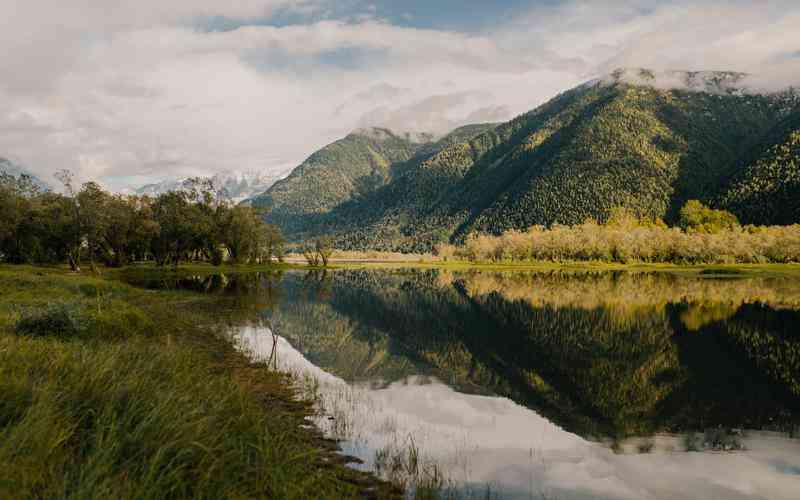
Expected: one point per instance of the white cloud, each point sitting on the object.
(130, 90)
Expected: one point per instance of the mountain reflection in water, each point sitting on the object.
(573, 385)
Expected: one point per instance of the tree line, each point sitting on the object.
(88, 224)
(702, 236)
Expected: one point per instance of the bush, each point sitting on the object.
(64, 319)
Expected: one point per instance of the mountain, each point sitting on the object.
(347, 170)
(645, 140)
(767, 191)
(8, 167)
(240, 186)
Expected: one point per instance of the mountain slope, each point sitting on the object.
(604, 144)
(768, 189)
(349, 169)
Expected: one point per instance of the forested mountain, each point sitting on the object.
(767, 191)
(349, 169)
(10, 168)
(636, 139)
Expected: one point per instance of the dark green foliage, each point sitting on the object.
(768, 190)
(577, 157)
(193, 224)
(350, 169)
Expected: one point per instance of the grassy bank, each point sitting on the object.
(108, 391)
(698, 270)
(711, 270)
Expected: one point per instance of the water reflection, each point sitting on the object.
(572, 385)
(481, 441)
(605, 356)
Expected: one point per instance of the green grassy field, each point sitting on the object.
(108, 391)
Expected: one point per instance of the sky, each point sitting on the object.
(128, 93)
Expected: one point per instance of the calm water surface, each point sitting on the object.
(540, 385)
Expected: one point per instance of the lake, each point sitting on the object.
(538, 384)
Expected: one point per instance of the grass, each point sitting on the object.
(108, 391)
(698, 270)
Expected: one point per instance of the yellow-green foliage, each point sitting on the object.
(695, 217)
(712, 237)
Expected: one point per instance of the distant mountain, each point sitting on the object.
(349, 169)
(239, 185)
(645, 140)
(8, 167)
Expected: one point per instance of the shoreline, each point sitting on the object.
(697, 270)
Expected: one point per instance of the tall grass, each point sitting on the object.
(98, 402)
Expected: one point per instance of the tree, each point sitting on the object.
(92, 204)
(128, 229)
(70, 218)
(324, 249)
(311, 255)
(273, 242)
(176, 219)
(18, 235)
(695, 217)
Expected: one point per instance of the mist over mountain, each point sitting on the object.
(645, 140)
(10, 168)
(238, 185)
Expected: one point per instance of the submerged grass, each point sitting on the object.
(107, 391)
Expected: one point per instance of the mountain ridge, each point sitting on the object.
(349, 169)
(603, 144)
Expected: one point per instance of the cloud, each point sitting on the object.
(120, 90)
(746, 36)
(437, 114)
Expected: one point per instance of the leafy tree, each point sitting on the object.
(698, 218)
(92, 203)
(272, 242)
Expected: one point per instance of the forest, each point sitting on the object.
(88, 224)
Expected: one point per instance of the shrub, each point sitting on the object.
(60, 319)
